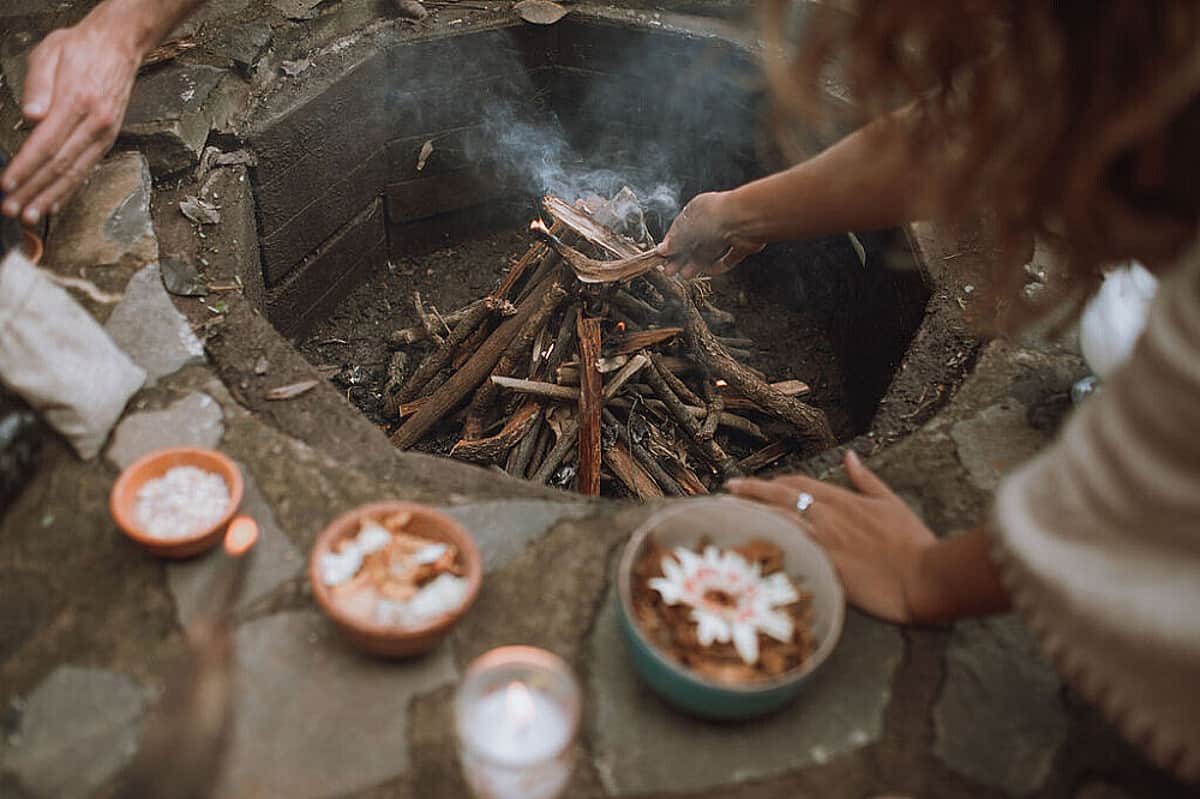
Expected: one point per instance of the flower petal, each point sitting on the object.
(710, 628)
(745, 641)
(670, 592)
(776, 624)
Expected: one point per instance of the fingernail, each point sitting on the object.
(11, 208)
(54, 209)
(10, 184)
(733, 483)
(32, 216)
(852, 458)
(34, 109)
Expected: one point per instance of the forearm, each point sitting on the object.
(140, 25)
(866, 181)
(958, 579)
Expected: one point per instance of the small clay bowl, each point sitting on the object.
(32, 246)
(385, 640)
(122, 500)
(728, 523)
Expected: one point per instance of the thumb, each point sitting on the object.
(39, 82)
(863, 478)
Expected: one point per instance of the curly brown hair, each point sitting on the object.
(1077, 120)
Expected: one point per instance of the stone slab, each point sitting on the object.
(1000, 718)
(194, 421)
(315, 719)
(995, 441)
(78, 728)
(241, 44)
(641, 745)
(503, 530)
(275, 560)
(151, 331)
(107, 223)
(166, 116)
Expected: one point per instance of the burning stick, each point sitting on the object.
(589, 270)
(590, 405)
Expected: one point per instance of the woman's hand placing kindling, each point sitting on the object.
(877, 544)
(701, 240)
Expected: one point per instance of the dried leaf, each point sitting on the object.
(292, 391)
(200, 211)
(540, 12)
(859, 249)
(423, 157)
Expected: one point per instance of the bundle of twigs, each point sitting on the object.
(580, 363)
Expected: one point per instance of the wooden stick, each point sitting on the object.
(714, 405)
(678, 386)
(536, 252)
(631, 473)
(760, 460)
(811, 423)
(566, 443)
(440, 357)
(490, 450)
(522, 453)
(550, 299)
(463, 381)
(537, 388)
(411, 335)
(628, 343)
(644, 457)
(433, 327)
(634, 307)
(540, 450)
(591, 403)
(589, 270)
(687, 479)
(563, 342)
(710, 448)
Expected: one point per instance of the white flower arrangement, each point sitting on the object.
(730, 598)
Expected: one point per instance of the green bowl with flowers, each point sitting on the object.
(738, 606)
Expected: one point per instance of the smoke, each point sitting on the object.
(664, 118)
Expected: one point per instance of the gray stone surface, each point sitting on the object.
(149, 328)
(643, 746)
(275, 560)
(1000, 718)
(315, 719)
(169, 115)
(194, 421)
(78, 728)
(995, 441)
(242, 44)
(107, 223)
(503, 530)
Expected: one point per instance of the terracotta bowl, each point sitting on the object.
(31, 244)
(124, 496)
(384, 640)
(730, 522)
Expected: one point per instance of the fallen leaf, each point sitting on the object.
(859, 249)
(426, 151)
(200, 211)
(292, 391)
(540, 12)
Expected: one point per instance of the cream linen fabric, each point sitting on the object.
(1099, 538)
(55, 356)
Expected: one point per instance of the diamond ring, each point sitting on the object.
(804, 501)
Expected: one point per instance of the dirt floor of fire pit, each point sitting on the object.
(793, 340)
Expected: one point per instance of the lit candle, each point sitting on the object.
(518, 714)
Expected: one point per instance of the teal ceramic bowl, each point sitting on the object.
(730, 522)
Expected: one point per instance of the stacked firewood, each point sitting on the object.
(588, 359)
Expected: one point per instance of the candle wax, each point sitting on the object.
(517, 739)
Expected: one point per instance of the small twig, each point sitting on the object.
(710, 448)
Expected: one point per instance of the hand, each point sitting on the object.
(700, 241)
(76, 92)
(877, 544)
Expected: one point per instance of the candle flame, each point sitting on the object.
(241, 536)
(620, 327)
(519, 703)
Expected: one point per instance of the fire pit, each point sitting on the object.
(393, 202)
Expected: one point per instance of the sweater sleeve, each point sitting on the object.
(1099, 538)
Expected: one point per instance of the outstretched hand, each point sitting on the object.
(700, 242)
(877, 544)
(76, 93)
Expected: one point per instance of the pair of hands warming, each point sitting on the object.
(76, 92)
(876, 543)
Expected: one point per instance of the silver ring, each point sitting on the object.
(804, 501)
